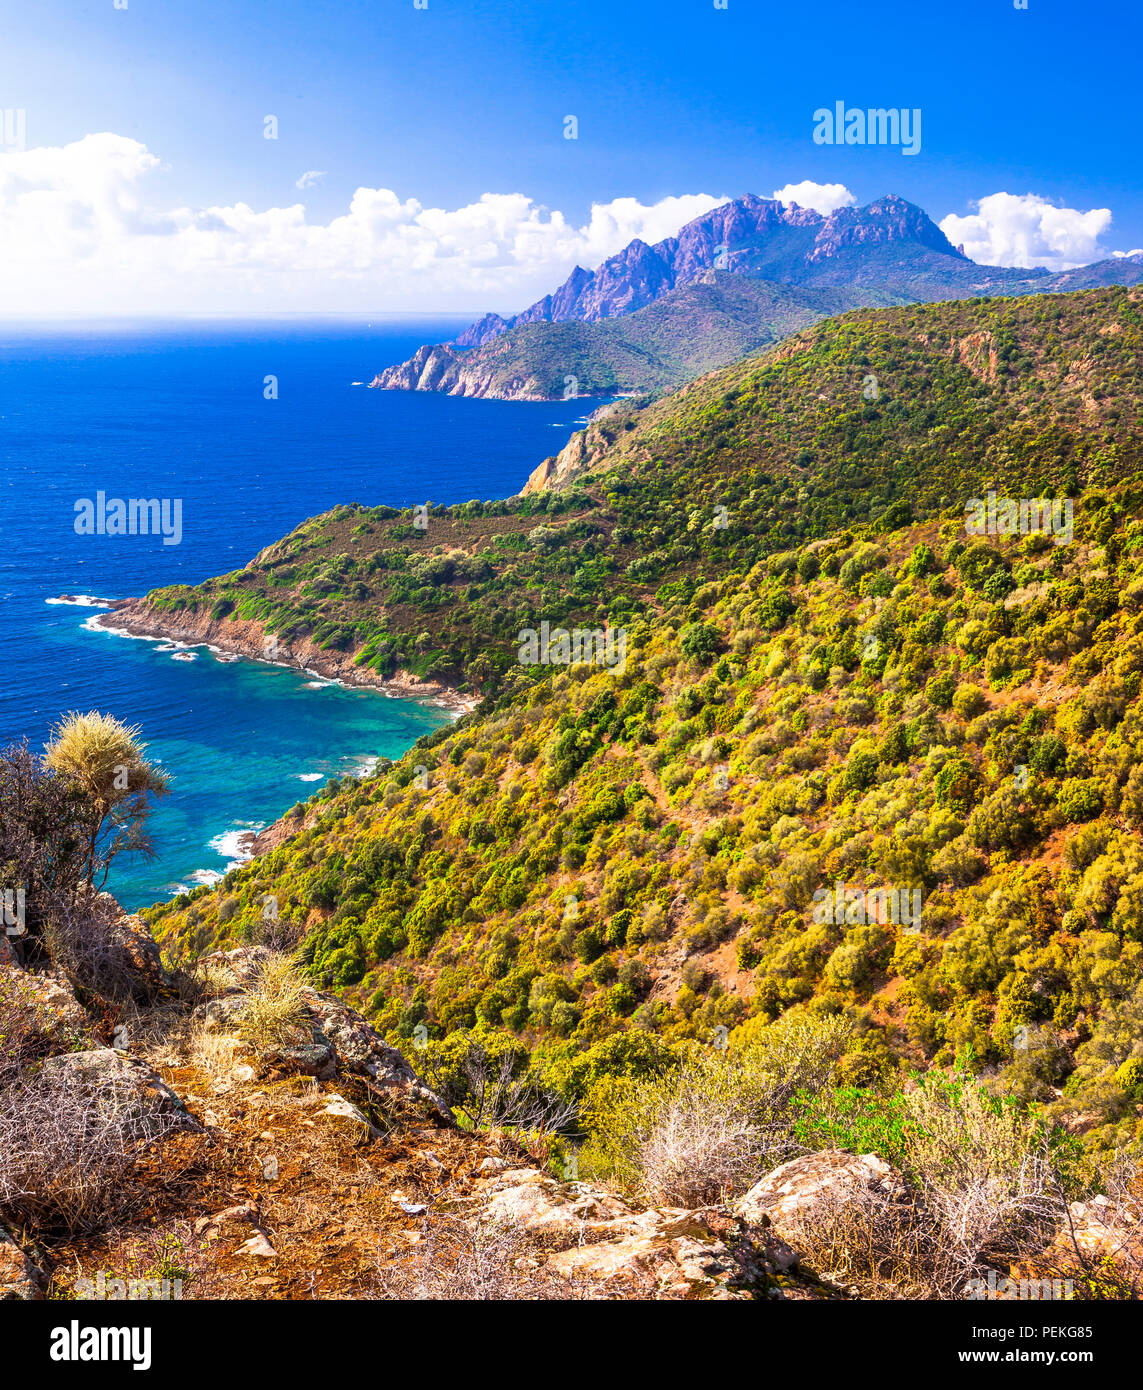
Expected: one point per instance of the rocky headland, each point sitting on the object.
(249, 638)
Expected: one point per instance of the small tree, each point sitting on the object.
(106, 760)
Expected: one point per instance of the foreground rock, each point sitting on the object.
(138, 1094)
(339, 1040)
(792, 1192)
(1103, 1232)
(656, 1253)
(20, 1279)
(59, 1015)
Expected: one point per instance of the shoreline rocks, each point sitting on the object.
(247, 638)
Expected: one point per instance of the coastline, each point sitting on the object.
(248, 639)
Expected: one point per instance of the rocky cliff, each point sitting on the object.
(889, 252)
(442, 368)
(248, 638)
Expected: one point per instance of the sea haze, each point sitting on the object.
(179, 411)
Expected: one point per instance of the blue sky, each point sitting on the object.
(467, 98)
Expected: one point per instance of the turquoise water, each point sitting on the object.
(178, 411)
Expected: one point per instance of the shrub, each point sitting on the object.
(983, 1183)
(476, 1261)
(69, 1146)
(941, 689)
(275, 1011)
(1080, 799)
(106, 759)
(957, 784)
(968, 701)
(708, 1131)
(700, 642)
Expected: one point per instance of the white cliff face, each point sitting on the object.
(441, 368)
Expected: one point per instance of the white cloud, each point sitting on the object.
(1122, 255)
(1027, 230)
(78, 235)
(822, 197)
(310, 178)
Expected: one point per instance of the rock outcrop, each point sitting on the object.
(20, 1278)
(1103, 1232)
(115, 1078)
(587, 1234)
(438, 367)
(338, 1042)
(578, 454)
(792, 1191)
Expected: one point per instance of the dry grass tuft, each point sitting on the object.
(275, 1013)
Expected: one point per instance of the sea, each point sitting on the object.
(253, 427)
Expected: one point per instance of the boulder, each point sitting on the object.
(257, 1247)
(62, 1016)
(787, 1195)
(347, 1117)
(691, 1255)
(126, 1082)
(1103, 1231)
(315, 1058)
(555, 1213)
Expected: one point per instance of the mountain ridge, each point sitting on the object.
(889, 252)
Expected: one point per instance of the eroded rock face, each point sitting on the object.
(658, 1252)
(791, 1192)
(341, 1041)
(141, 960)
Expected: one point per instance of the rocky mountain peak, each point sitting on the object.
(748, 236)
(889, 219)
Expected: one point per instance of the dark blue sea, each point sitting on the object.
(180, 411)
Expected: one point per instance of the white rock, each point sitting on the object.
(258, 1247)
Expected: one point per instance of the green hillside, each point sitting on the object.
(827, 701)
(1037, 394)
